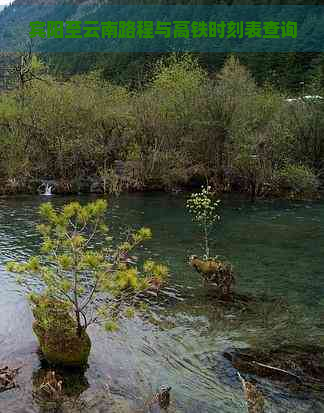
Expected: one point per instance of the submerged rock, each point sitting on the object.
(7, 378)
(57, 334)
(49, 388)
(60, 390)
(160, 400)
(291, 364)
(254, 398)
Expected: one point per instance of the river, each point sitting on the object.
(277, 248)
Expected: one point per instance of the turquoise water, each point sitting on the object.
(277, 249)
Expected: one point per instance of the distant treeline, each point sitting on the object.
(285, 71)
(288, 72)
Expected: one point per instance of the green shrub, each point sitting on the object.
(82, 269)
(297, 180)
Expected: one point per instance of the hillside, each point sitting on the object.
(284, 70)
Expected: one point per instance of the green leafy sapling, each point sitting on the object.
(203, 208)
(82, 268)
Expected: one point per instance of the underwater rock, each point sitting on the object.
(160, 401)
(121, 406)
(254, 398)
(49, 388)
(7, 378)
(57, 334)
(60, 390)
(291, 364)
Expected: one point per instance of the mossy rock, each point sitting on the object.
(56, 331)
(216, 273)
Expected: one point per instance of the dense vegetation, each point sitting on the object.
(288, 72)
(183, 127)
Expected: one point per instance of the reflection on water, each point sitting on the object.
(276, 248)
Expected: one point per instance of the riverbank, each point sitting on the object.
(185, 126)
(96, 186)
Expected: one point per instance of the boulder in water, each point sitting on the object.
(215, 272)
(56, 331)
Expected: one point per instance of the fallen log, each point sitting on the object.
(302, 366)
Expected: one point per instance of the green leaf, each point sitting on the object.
(111, 326)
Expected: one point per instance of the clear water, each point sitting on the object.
(277, 249)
